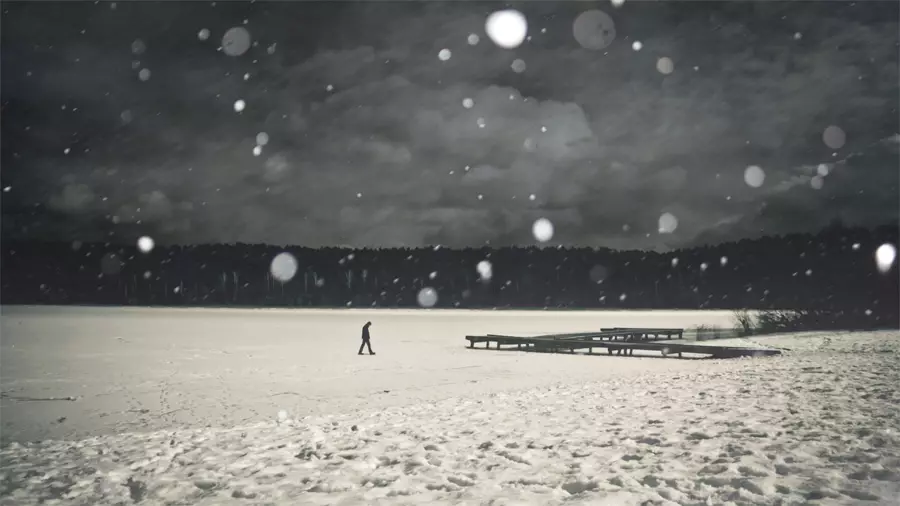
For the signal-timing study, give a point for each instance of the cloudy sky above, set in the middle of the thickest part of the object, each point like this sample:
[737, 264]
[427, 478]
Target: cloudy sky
[119, 120]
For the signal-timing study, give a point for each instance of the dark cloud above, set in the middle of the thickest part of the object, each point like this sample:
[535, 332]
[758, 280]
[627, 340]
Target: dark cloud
[369, 141]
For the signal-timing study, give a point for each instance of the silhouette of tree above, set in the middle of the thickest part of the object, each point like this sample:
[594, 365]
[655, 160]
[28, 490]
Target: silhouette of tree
[831, 274]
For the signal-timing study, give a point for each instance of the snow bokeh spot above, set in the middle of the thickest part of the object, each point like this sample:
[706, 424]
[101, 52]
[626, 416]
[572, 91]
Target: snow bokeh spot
[834, 137]
[594, 29]
[667, 223]
[145, 244]
[817, 182]
[284, 267]
[236, 41]
[754, 176]
[665, 65]
[542, 230]
[138, 47]
[427, 297]
[885, 256]
[598, 273]
[507, 28]
[485, 270]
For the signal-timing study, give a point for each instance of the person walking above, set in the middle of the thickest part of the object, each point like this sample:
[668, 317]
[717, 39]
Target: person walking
[365, 339]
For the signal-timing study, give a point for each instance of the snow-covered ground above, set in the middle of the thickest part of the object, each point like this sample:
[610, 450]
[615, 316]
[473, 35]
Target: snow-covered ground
[275, 407]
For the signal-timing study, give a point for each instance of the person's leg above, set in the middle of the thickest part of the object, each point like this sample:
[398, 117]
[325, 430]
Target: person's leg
[370, 347]
[361, 345]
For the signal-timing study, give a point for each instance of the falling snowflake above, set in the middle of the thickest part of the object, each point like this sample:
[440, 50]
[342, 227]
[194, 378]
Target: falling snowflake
[145, 244]
[834, 137]
[236, 41]
[283, 267]
[754, 176]
[667, 223]
[665, 65]
[485, 270]
[427, 297]
[138, 47]
[594, 30]
[507, 28]
[542, 230]
[885, 256]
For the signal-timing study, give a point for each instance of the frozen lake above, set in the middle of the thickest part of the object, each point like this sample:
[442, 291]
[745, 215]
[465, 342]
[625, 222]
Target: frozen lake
[147, 369]
[221, 407]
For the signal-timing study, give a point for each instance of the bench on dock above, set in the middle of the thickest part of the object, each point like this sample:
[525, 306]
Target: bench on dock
[550, 343]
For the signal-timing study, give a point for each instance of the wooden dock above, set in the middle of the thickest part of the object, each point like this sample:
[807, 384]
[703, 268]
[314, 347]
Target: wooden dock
[616, 340]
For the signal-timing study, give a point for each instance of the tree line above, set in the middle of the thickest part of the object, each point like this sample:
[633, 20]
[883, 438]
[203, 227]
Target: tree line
[832, 272]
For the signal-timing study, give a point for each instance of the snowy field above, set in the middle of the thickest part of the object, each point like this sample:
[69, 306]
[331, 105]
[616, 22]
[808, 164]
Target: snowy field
[274, 407]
